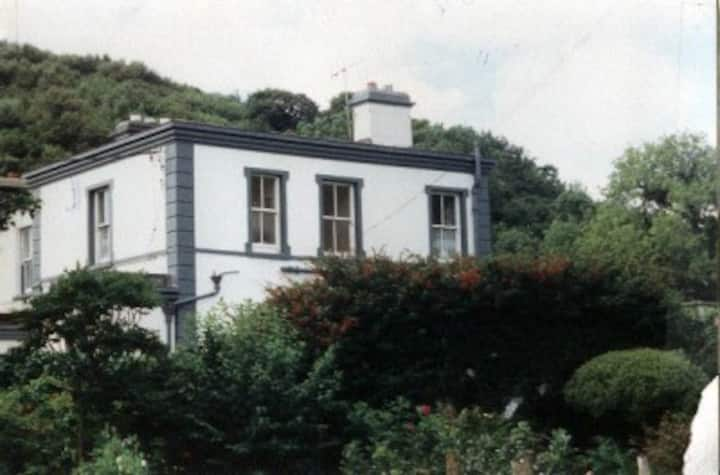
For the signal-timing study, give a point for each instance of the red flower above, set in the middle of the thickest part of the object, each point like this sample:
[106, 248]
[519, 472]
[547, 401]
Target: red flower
[424, 409]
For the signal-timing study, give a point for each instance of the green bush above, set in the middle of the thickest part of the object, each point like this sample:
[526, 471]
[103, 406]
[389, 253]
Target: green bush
[114, 455]
[37, 421]
[248, 394]
[607, 457]
[632, 389]
[467, 332]
[400, 439]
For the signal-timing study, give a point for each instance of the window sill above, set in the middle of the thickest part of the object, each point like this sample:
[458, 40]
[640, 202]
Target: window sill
[101, 265]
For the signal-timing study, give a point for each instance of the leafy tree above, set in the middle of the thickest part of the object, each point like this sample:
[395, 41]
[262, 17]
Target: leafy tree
[37, 418]
[279, 111]
[85, 332]
[625, 391]
[13, 201]
[248, 394]
[663, 197]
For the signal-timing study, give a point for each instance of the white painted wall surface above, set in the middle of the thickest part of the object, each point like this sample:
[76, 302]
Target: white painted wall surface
[382, 124]
[138, 212]
[394, 213]
[394, 203]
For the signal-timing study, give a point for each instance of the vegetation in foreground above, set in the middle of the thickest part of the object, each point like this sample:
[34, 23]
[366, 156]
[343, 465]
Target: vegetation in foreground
[290, 385]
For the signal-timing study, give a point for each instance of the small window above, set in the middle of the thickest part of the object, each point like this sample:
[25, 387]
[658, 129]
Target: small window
[26, 260]
[100, 226]
[267, 220]
[445, 230]
[265, 210]
[338, 218]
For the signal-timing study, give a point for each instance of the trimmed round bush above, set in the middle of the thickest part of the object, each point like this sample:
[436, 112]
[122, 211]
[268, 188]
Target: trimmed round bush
[635, 387]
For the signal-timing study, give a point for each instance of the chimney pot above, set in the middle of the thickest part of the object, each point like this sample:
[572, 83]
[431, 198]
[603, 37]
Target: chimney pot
[388, 88]
[372, 86]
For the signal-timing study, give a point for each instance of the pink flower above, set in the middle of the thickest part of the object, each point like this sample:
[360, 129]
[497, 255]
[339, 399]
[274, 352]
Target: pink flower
[424, 409]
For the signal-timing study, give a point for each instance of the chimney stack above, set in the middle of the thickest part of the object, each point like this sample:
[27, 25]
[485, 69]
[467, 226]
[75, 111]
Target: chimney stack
[381, 116]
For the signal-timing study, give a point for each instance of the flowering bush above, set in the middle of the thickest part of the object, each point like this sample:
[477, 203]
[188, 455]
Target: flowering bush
[398, 440]
[115, 456]
[464, 331]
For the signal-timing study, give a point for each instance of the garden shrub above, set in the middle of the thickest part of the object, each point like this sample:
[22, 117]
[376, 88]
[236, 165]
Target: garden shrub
[248, 394]
[114, 455]
[608, 457]
[37, 421]
[627, 390]
[401, 439]
[466, 331]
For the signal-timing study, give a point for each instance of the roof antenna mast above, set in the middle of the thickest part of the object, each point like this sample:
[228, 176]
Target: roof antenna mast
[343, 71]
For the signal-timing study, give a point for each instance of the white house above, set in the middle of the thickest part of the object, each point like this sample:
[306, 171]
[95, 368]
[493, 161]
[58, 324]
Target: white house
[184, 200]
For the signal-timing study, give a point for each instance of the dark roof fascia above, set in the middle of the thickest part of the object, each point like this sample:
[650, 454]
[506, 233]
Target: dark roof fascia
[220, 136]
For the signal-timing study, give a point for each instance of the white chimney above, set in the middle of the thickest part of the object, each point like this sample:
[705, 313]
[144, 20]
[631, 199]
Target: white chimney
[382, 116]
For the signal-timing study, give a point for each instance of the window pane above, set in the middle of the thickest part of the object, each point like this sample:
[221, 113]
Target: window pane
[269, 192]
[255, 191]
[449, 244]
[103, 244]
[268, 220]
[25, 276]
[449, 210]
[436, 209]
[328, 207]
[327, 235]
[25, 243]
[100, 206]
[436, 241]
[343, 201]
[255, 226]
[342, 228]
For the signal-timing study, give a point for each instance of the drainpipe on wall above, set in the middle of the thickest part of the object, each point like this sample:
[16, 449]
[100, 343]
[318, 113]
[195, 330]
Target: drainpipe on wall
[173, 314]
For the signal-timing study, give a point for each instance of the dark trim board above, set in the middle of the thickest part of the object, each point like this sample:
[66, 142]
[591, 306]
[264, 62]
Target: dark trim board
[205, 134]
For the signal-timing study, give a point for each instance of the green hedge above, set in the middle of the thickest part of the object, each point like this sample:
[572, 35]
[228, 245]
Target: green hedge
[464, 331]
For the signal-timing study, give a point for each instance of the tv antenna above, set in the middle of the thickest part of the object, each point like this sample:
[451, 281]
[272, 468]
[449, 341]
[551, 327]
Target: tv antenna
[343, 72]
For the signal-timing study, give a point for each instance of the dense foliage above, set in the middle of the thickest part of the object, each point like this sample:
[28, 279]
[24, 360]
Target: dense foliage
[628, 390]
[85, 332]
[246, 394]
[465, 331]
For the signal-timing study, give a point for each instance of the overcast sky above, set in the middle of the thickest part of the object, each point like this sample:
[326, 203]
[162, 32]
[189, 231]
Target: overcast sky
[574, 82]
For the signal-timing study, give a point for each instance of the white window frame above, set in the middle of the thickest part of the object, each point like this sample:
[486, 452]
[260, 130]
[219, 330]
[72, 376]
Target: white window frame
[459, 196]
[95, 226]
[334, 218]
[25, 254]
[262, 246]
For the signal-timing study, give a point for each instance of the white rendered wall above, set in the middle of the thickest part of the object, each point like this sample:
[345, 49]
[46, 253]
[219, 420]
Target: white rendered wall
[395, 217]
[137, 209]
[382, 124]
[138, 226]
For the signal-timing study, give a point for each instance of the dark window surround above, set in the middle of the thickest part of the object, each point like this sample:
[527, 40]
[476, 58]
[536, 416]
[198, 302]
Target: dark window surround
[108, 187]
[357, 185]
[283, 176]
[462, 195]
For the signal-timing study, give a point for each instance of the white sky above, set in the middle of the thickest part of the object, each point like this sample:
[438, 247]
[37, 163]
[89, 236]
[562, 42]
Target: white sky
[574, 82]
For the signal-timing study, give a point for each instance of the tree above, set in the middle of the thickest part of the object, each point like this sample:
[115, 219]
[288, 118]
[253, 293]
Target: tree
[658, 219]
[85, 332]
[13, 199]
[278, 110]
[247, 394]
